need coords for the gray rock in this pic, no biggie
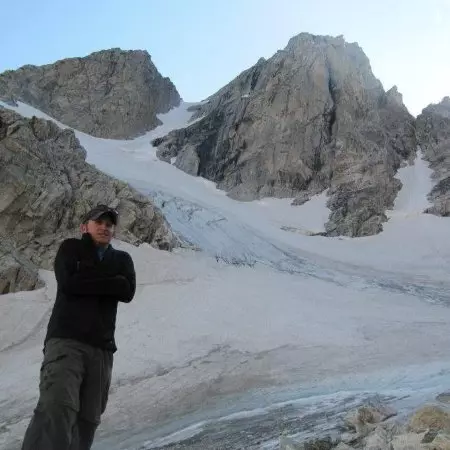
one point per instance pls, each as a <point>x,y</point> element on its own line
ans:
<point>343,446</point>
<point>286,443</point>
<point>111,93</point>
<point>46,186</point>
<point>16,274</point>
<point>408,441</point>
<point>430,418</point>
<point>381,438</point>
<point>188,160</point>
<point>351,438</point>
<point>9,100</point>
<point>430,436</point>
<point>312,117</point>
<point>368,415</point>
<point>444,398</point>
<point>433,131</point>
<point>441,109</point>
<point>301,198</point>
<point>441,441</point>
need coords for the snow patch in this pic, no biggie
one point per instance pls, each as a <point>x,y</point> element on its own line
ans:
<point>308,218</point>
<point>189,309</point>
<point>416,185</point>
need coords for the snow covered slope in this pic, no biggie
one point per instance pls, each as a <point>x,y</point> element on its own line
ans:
<point>294,317</point>
<point>266,230</point>
<point>208,340</point>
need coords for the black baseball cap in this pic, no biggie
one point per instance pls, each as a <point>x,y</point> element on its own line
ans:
<point>101,210</point>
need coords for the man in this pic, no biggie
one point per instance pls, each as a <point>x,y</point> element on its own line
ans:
<point>75,376</point>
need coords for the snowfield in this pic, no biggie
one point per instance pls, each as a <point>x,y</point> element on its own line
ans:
<point>296,325</point>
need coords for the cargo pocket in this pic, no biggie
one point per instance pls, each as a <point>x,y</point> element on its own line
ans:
<point>61,374</point>
<point>54,356</point>
<point>49,372</point>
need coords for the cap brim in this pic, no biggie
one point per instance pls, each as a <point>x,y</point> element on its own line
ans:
<point>97,216</point>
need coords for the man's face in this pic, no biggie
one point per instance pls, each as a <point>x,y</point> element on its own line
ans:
<point>101,230</point>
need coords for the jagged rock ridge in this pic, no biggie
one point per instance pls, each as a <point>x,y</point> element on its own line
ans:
<point>111,93</point>
<point>311,118</point>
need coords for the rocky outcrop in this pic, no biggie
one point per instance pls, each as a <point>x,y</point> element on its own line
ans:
<point>110,94</point>
<point>427,429</point>
<point>16,273</point>
<point>46,187</point>
<point>433,131</point>
<point>430,418</point>
<point>311,118</point>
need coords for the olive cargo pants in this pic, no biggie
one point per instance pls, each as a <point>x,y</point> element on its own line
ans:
<point>74,385</point>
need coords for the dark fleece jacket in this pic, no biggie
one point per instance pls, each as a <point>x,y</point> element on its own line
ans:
<point>89,290</point>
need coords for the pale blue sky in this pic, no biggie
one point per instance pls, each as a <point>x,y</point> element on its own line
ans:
<point>201,45</point>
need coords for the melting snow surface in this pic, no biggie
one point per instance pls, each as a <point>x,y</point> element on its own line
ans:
<point>204,339</point>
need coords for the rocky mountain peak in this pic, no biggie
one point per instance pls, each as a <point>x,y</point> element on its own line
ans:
<point>394,96</point>
<point>313,117</point>
<point>441,109</point>
<point>111,93</point>
<point>327,44</point>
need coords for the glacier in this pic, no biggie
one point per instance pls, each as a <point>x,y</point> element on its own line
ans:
<point>257,326</point>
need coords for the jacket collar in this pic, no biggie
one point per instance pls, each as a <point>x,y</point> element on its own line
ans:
<point>86,238</point>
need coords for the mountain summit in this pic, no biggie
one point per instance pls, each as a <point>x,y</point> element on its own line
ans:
<point>311,118</point>
<point>110,94</point>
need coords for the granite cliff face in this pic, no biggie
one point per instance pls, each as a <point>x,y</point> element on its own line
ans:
<point>311,118</point>
<point>46,187</point>
<point>433,132</point>
<point>109,94</point>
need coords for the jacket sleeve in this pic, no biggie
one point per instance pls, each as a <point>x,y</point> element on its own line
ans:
<point>85,284</point>
<point>130,276</point>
